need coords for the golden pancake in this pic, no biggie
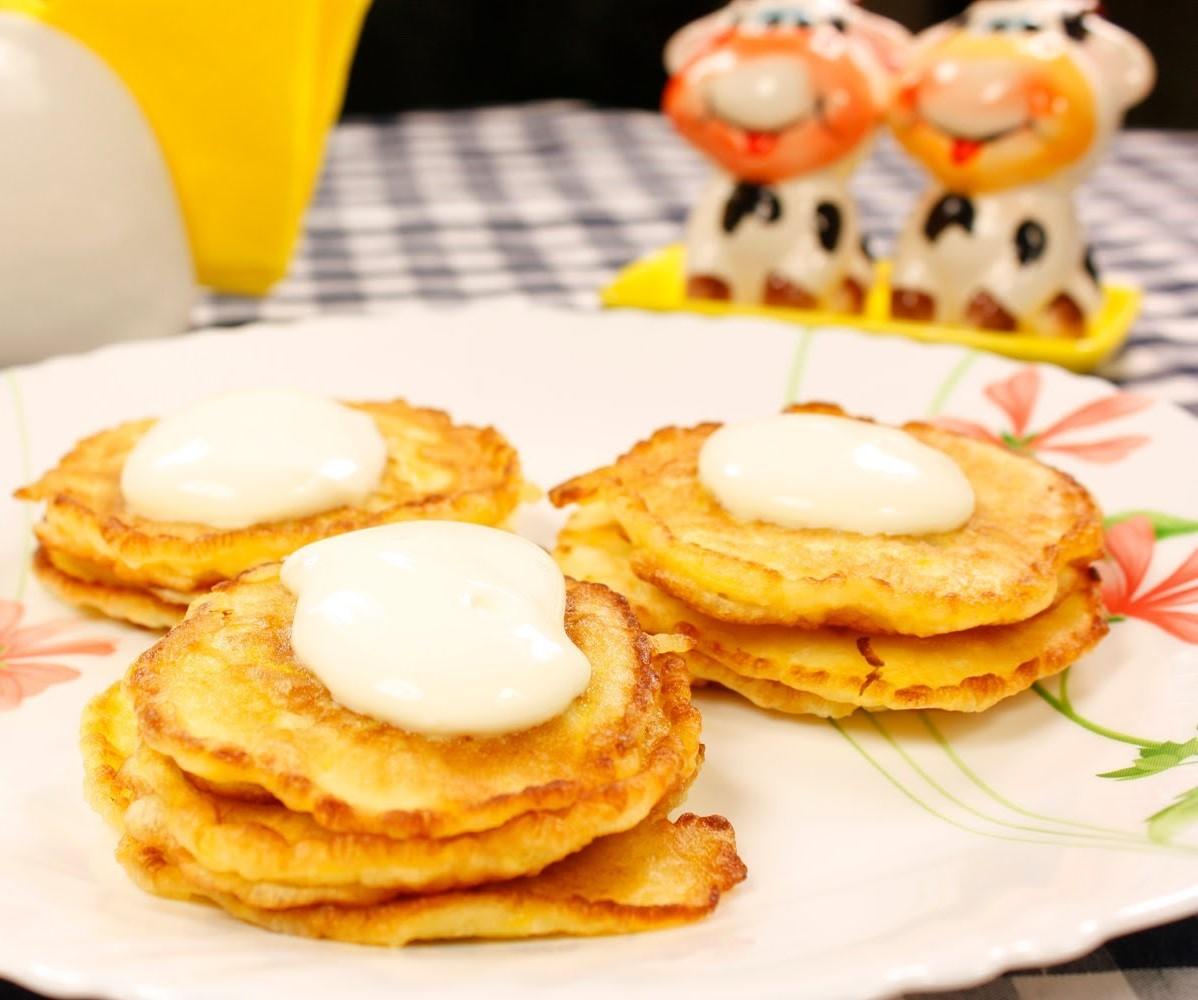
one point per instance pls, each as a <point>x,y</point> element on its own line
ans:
<point>962,671</point>
<point>539,873</point>
<point>1002,566</point>
<point>242,844</point>
<point>435,469</point>
<point>764,693</point>
<point>659,874</point>
<point>107,738</point>
<point>114,600</point>
<point>223,696</point>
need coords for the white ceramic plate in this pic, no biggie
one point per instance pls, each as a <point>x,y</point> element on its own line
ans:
<point>885,854</point>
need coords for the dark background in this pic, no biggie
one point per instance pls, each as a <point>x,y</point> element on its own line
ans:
<point>451,53</point>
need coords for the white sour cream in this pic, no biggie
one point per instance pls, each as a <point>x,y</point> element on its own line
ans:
<point>242,458</point>
<point>436,627</point>
<point>806,470</point>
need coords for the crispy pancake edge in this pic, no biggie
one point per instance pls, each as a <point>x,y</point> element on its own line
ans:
<point>767,694</point>
<point>148,797</point>
<point>658,696</point>
<point>591,545</point>
<point>487,486</point>
<point>730,588</point>
<point>139,607</point>
<point>581,896</point>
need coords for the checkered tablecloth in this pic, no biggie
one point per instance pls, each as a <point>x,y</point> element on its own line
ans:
<point>549,200</point>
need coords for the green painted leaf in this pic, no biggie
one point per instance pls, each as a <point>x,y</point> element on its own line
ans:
<point>1164,826</point>
<point>1164,525</point>
<point>1155,759</point>
<point>1016,443</point>
<point>1124,774</point>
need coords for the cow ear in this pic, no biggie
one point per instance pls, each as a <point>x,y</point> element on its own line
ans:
<point>1123,61</point>
<point>888,42</point>
<point>687,42</point>
<point>929,38</point>
<point>883,48</point>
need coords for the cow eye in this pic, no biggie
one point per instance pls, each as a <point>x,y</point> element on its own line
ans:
<point>1000,25</point>
<point>1075,26</point>
<point>773,19</point>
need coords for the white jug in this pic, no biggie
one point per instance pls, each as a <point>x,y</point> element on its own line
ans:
<point>92,244</point>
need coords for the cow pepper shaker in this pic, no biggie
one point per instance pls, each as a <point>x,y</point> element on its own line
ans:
<point>784,97</point>
<point>1008,107</point>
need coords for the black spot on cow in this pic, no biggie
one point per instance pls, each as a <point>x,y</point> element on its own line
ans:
<point>1075,27</point>
<point>1030,242</point>
<point>1089,264</point>
<point>829,222</point>
<point>951,210</point>
<point>750,199</point>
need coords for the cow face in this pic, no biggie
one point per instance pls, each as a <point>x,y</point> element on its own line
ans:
<point>1016,91</point>
<point>774,90</point>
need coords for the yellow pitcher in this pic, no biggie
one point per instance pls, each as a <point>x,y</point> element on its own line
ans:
<point>241,96</point>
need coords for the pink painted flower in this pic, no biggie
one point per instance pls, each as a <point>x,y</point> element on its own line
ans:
<point>1017,396</point>
<point>1130,545</point>
<point>23,672</point>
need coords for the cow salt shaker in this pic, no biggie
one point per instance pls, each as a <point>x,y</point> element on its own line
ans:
<point>1008,107</point>
<point>784,97</point>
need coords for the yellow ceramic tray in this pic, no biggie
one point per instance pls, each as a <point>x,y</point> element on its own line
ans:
<point>656,282</point>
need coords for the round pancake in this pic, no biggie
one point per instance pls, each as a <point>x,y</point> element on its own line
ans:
<point>435,469</point>
<point>963,671</point>
<point>764,693</point>
<point>288,859</point>
<point>114,600</point>
<point>223,696</point>
<point>107,738</point>
<point>659,874</point>
<point>1002,566</point>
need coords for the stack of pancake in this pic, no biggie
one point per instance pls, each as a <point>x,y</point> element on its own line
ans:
<point>235,778</point>
<point>95,552</point>
<point>824,622</point>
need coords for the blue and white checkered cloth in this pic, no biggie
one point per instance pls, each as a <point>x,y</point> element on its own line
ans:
<point>550,200</point>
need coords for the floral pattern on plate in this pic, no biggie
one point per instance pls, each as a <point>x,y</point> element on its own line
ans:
<point>23,670</point>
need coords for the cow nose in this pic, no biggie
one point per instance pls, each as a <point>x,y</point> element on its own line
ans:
<point>975,99</point>
<point>763,94</point>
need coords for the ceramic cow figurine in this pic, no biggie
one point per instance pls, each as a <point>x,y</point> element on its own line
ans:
<point>784,98</point>
<point>1008,107</point>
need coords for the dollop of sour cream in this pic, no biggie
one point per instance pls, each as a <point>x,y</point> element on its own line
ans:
<point>248,457</point>
<point>436,627</point>
<point>808,470</point>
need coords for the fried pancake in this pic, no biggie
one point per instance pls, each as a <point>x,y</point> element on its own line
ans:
<point>114,600</point>
<point>659,874</point>
<point>223,696</point>
<point>1003,566</point>
<point>107,738</point>
<point>964,671</point>
<point>243,845</point>
<point>435,469</point>
<point>764,693</point>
